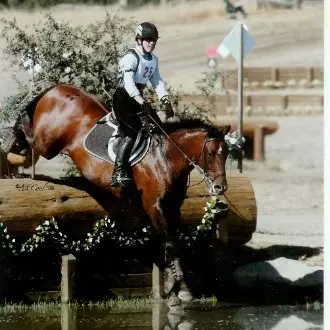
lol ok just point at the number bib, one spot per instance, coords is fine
(145, 69)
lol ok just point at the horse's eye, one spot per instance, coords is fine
(210, 154)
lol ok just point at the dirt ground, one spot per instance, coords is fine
(289, 184)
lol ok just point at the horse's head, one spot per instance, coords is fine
(212, 160)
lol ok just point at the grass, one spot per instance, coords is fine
(120, 304)
(115, 305)
(42, 307)
(128, 305)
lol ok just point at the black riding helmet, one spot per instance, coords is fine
(146, 30)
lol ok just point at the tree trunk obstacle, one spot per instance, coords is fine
(25, 203)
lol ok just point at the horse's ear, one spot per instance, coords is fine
(225, 129)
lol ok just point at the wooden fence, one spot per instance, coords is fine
(275, 77)
(259, 103)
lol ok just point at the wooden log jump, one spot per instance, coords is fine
(25, 203)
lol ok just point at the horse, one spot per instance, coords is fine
(58, 120)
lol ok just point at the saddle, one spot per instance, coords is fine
(103, 141)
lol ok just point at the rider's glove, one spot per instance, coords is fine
(146, 111)
(167, 106)
(146, 108)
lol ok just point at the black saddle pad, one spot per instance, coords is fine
(103, 139)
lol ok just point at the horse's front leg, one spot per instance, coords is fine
(166, 229)
(175, 285)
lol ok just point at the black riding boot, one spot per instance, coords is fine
(120, 175)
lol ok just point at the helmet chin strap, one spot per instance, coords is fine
(140, 43)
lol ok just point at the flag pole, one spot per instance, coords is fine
(240, 92)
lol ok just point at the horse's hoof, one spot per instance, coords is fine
(173, 301)
(185, 325)
(185, 295)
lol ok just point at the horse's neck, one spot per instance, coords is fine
(190, 143)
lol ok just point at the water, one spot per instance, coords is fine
(160, 317)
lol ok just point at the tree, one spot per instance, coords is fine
(56, 52)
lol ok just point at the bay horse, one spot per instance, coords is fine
(58, 120)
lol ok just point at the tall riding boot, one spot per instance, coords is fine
(120, 176)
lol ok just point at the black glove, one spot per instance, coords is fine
(167, 107)
(147, 109)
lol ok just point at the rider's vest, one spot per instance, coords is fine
(143, 70)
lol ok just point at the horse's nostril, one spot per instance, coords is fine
(218, 187)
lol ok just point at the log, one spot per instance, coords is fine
(25, 203)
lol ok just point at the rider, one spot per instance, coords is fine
(138, 66)
(232, 9)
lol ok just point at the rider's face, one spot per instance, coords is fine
(149, 45)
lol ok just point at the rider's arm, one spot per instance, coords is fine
(158, 83)
(127, 67)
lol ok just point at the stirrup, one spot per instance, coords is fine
(120, 180)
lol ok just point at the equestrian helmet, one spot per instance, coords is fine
(146, 30)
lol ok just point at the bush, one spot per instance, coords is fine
(55, 52)
(206, 86)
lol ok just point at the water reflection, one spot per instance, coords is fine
(162, 318)
(68, 317)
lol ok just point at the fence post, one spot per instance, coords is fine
(275, 72)
(2, 277)
(157, 282)
(258, 143)
(68, 272)
(309, 74)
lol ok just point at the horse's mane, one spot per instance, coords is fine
(184, 124)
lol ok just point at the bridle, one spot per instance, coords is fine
(203, 171)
